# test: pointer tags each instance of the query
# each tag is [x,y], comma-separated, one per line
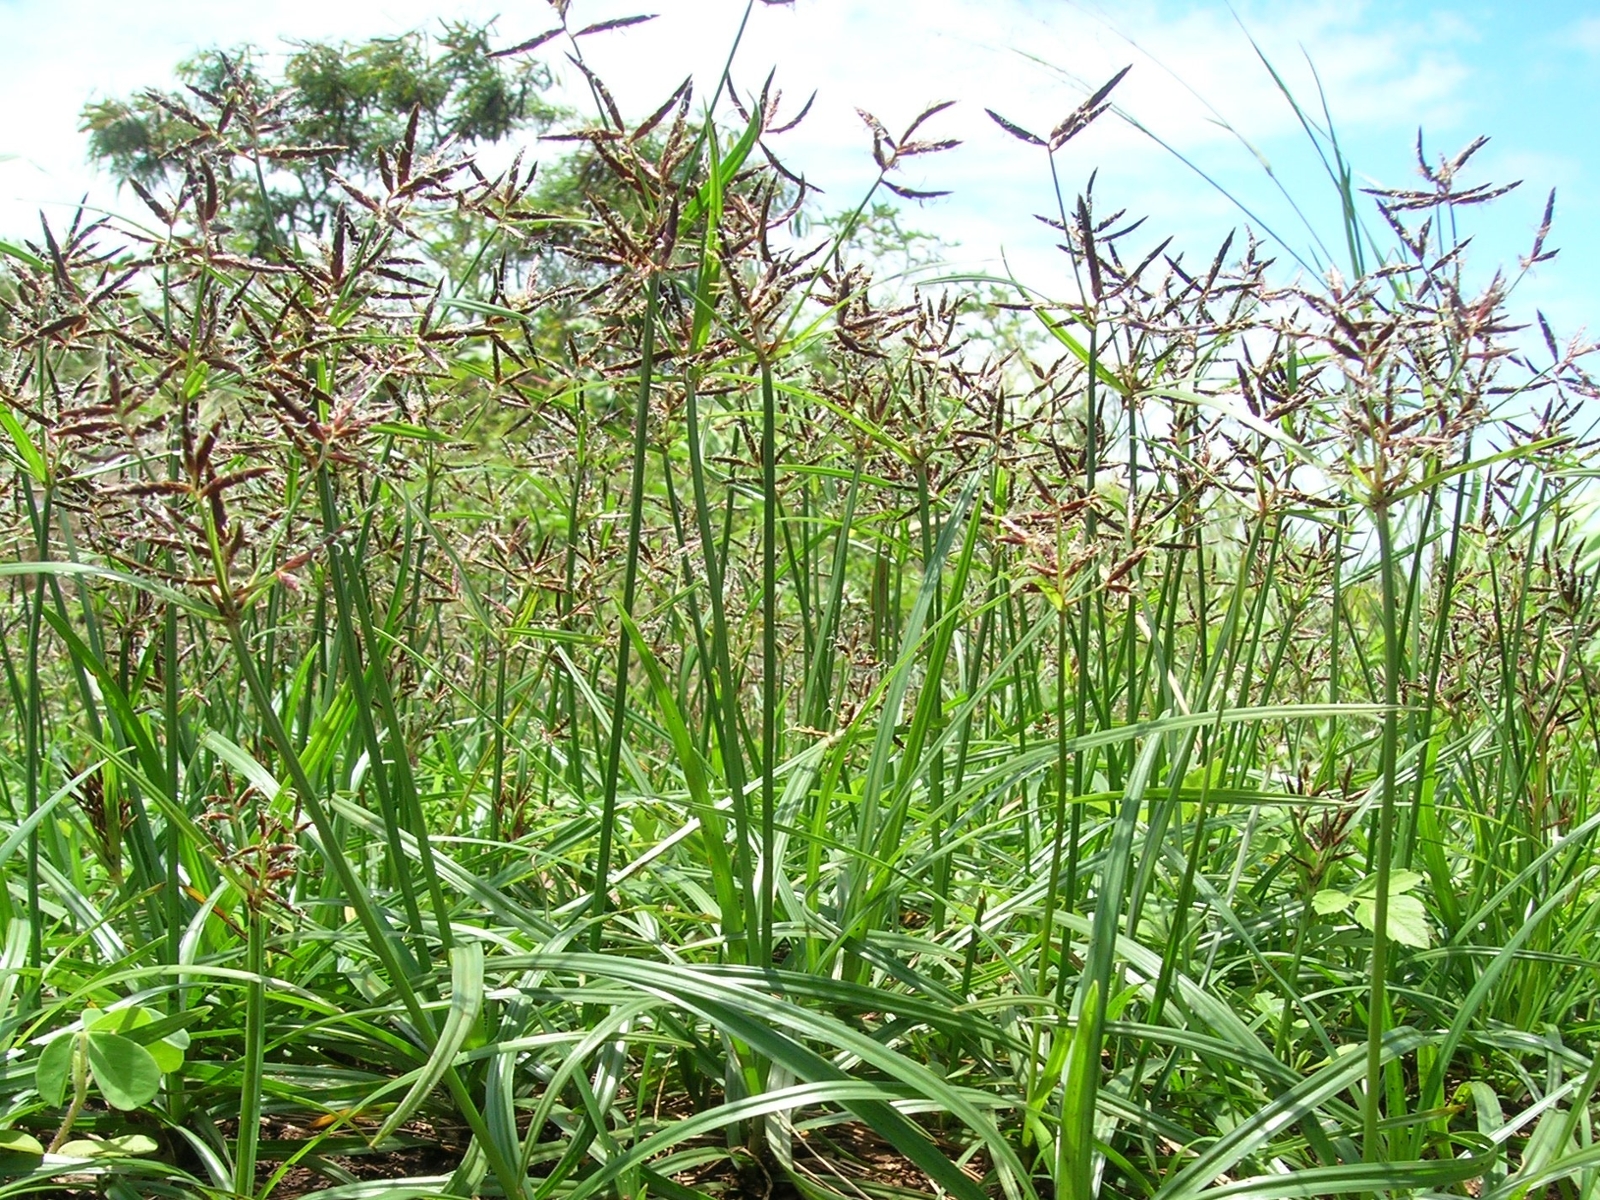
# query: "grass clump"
[611,699]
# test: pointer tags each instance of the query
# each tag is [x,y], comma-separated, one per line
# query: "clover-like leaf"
[116,1020]
[54,1069]
[169,1058]
[125,1071]
[135,1021]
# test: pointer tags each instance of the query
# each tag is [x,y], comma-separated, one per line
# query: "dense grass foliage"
[619,702]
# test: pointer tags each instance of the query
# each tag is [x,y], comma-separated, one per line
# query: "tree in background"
[339,111]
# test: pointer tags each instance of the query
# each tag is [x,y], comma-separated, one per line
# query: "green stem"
[1377,1014]
[255,1039]
[80,1091]
[619,705]
[769,651]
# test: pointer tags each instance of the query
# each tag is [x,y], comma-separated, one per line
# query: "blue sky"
[1526,74]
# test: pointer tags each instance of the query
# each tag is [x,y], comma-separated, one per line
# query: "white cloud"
[1584,34]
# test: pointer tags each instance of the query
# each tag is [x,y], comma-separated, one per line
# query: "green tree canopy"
[337,109]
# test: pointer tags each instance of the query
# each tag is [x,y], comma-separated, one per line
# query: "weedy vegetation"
[562,684]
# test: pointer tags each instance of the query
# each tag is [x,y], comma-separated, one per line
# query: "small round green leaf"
[129,1145]
[117,1020]
[134,1143]
[54,1069]
[125,1072]
[169,1058]
[167,1050]
[19,1141]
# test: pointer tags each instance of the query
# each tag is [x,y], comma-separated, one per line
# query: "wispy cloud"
[1584,34]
